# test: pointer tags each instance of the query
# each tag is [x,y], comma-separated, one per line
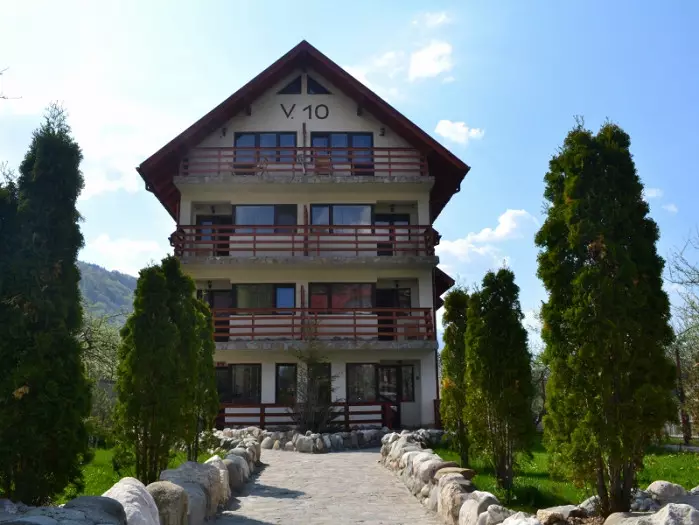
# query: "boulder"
[695,491]
[336,442]
[172,502]
[495,515]
[320,445]
[138,504]
[427,470]
[197,502]
[305,444]
[267,443]
[665,491]
[217,462]
[474,504]
[99,509]
[354,440]
[466,473]
[449,502]
[23,519]
[241,466]
[245,454]
[670,514]
[205,475]
[521,518]
[590,506]
[561,513]
[235,475]
[277,445]
[289,446]
[327,443]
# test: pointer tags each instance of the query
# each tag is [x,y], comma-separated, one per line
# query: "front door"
[389,381]
[396,238]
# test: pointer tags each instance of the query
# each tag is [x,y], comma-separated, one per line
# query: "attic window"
[313,87]
[292,88]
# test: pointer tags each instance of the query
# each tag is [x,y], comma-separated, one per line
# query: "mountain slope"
[106,292]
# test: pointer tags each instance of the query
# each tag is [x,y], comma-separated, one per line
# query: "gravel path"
[335,488]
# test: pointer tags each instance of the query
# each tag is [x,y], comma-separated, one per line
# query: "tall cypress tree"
[45,395]
[605,324]
[499,381]
[148,412]
[453,397]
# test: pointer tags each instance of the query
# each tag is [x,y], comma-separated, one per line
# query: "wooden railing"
[359,324]
[260,240]
[303,161]
[266,415]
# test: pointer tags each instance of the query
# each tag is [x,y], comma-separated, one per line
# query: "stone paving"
[336,488]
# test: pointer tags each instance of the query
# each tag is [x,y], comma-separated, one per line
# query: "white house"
[304,200]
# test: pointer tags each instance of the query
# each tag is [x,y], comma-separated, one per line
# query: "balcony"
[242,328]
[385,241]
[304,162]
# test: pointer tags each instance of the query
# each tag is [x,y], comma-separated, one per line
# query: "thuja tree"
[148,412]
[44,394]
[605,324]
[453,397]
[499,375]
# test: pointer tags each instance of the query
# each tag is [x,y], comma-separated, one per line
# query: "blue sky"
[499,83]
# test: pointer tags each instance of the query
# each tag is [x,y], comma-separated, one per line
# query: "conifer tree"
[44,393]
[605,324]
[499,382]
[454,396]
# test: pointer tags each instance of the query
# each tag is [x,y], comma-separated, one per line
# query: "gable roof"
[160,168]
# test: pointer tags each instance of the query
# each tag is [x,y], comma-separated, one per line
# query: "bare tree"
[2,93]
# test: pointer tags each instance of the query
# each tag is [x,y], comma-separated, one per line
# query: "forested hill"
[106,292]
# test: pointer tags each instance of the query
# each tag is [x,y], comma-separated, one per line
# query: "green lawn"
[536,487]
[99,474]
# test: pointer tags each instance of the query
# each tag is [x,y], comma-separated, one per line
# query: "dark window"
[361,383]
[270,146]
[350,295]
[265,215]
[342,214]
[286,384]
[321,384]
[292,88]
[313,87]
[246,384]
[224,384]
[344,148]
[408,383]
[252,296]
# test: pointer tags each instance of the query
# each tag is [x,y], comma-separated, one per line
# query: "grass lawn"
[99,475]
[536,487]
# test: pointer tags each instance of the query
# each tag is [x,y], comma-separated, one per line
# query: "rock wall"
[448,490]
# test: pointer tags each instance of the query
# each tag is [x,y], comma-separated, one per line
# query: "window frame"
[308,91]
[256,154]
[329,295]
[330,227]
[249,401]
[300,92]
[347,382]
[276,382]
[349,156]
[402,368]
[278,228]
[229,374]
[275,287]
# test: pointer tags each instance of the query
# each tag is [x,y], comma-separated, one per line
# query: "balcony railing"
[300,240]
[302,324]
[304,161]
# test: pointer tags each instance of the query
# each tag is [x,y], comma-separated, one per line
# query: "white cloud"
[432,20]
[652,193]
[483,243]
[671,207]
[379,73]
[123,254]
[430,61]
[448,80]
[458,132]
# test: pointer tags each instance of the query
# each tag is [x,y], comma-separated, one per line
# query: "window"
[265,215]
[408,383]
[269,144]
[333,296]
[253,296]
[224,384]
[342,214]
[361,383]
[246,384]
[313,87]
[320,382]
[344,148]
[292,88]
[286,378]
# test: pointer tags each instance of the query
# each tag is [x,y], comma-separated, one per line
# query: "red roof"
[159,169]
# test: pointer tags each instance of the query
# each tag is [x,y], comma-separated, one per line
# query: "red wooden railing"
[246,241]
[265,415]
[314,323]
[303,161]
